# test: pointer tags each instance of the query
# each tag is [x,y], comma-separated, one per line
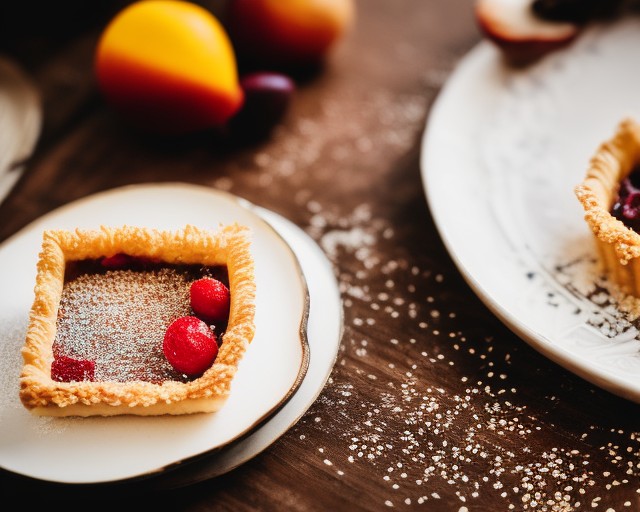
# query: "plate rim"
[478,60]
[302,337]
[165,481]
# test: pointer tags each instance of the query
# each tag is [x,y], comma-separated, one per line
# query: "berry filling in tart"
[626,208]
[118,327]
[116,315]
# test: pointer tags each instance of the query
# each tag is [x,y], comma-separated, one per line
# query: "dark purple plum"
[267,96]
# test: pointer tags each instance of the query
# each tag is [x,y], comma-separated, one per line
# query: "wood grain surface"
[433,403]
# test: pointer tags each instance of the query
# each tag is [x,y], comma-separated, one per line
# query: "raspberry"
[190,345]
[67,369]
[210,299]
[119,260]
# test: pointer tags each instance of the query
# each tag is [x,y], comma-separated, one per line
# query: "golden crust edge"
[230,245]
[613,160]
[193,406]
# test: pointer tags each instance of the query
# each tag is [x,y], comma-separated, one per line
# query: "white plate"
[95,450]
[325,328]
[502,153]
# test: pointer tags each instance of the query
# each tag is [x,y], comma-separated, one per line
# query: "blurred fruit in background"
[522,35]
[287,33]
[169,67]
[527,30]
[267,96]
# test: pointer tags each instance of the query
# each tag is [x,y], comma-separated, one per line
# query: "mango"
[287,32]
[168,66]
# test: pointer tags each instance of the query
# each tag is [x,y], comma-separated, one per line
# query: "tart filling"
[105,301]
[606,195]
[116,317]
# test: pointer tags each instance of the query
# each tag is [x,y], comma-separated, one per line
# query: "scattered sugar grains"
[415,438]
[335,131]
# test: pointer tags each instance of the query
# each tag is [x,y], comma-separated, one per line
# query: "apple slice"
[522,36]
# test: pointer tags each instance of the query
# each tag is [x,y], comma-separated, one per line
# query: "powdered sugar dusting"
[118,320]
[12,358]
[334,131]
[434,446]
[15,330]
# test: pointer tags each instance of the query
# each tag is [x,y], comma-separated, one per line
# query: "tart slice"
[115,327]
[610,196]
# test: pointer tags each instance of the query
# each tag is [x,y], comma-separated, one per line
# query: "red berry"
[122,260]
[190,345]
[210,299]
[119,260]
[67,369]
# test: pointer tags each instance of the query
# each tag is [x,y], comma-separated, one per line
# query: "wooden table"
[433,404]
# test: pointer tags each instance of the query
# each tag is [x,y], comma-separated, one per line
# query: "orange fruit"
[168,66]
[288,32]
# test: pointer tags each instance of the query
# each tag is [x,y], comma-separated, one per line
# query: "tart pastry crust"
[229,246]
[619,245]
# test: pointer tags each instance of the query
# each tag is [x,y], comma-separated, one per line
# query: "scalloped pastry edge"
[230,245]
[618,245]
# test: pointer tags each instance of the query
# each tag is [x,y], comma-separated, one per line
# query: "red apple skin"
[525,52]
[522,46]
[285,33]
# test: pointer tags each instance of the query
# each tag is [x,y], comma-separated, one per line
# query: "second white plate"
[503,150]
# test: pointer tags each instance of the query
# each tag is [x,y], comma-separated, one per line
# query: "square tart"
[229,247]
[618,245]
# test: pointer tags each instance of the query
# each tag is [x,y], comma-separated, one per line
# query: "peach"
[287,32]
[522,36]
[168,66]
